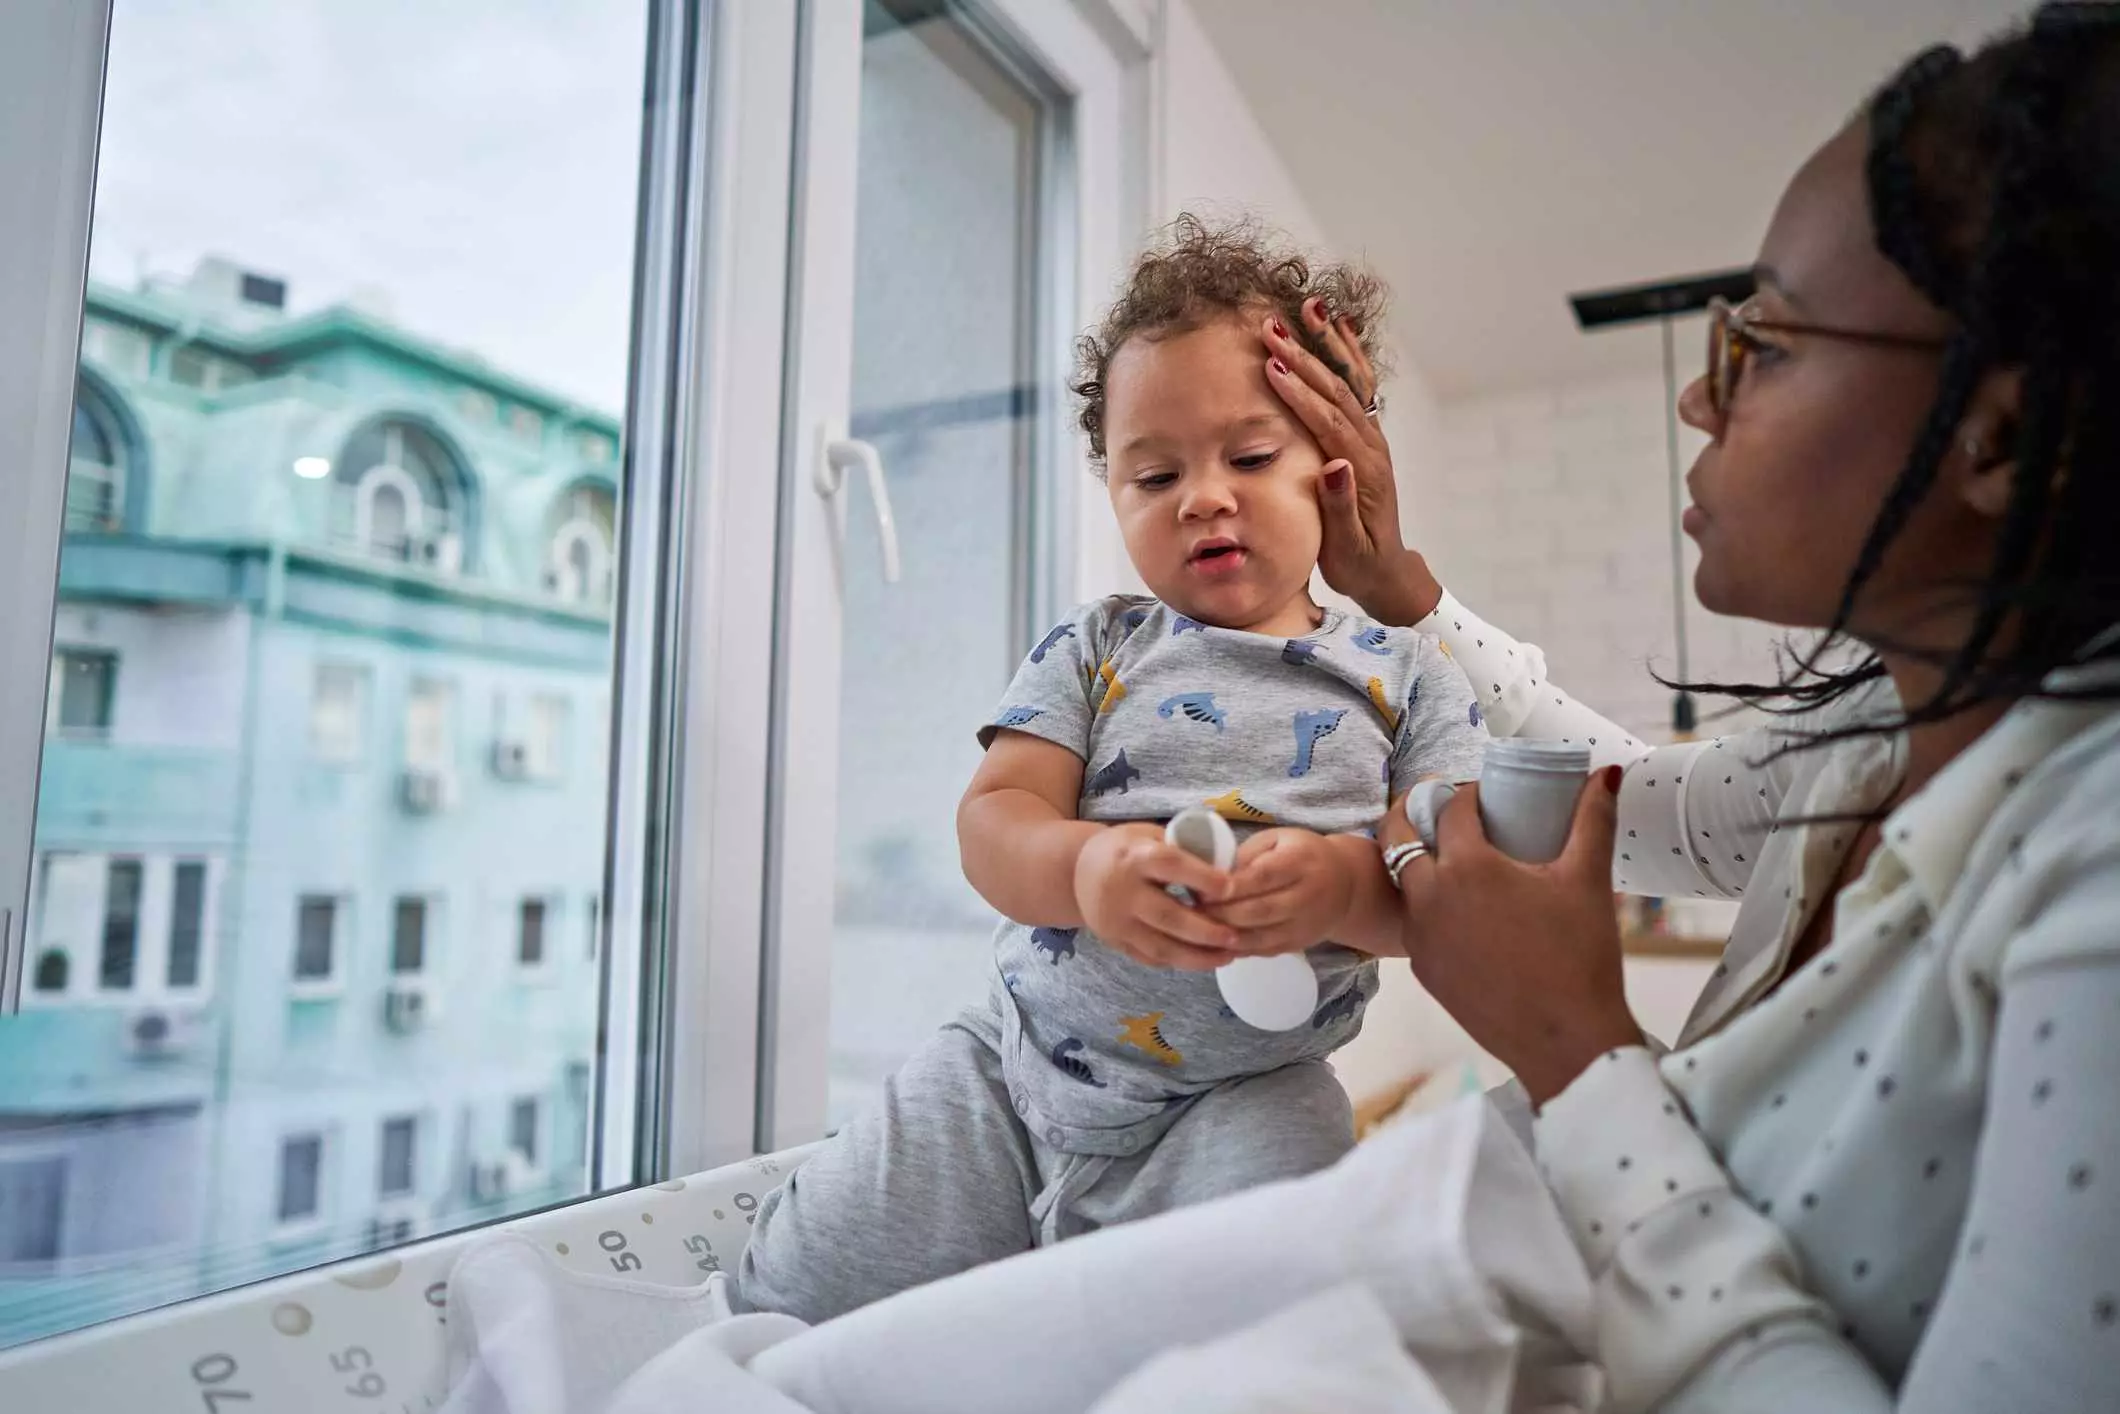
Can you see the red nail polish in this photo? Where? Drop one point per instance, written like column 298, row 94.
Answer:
column 1324, row 314
column 1280, row 367
column 1280, row 330
column 1613, row 775
column 1336, row 479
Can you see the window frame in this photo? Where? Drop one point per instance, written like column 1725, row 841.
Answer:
column 362, row 677
column 332, row 982
column 411, row 1191
column 304, row 1226
column 63, row 657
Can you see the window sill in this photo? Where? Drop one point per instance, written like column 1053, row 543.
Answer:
column 316, row 990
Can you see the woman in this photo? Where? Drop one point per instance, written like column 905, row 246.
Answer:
column 1882, row 1170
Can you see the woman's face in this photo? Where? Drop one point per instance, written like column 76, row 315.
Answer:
column 1818, row 430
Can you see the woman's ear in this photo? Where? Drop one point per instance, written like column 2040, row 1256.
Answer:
column 1983, row 463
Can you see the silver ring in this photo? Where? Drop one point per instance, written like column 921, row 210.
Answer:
column 1400, row 855
column 1376, row 407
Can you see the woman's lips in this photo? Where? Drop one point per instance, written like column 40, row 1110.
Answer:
column 1693, row 521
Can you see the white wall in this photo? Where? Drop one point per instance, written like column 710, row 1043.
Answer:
column 180, row 671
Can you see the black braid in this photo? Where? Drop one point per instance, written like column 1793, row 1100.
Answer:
column 1994, row 186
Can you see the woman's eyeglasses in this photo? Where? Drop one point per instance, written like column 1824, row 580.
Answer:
column 1733, row 336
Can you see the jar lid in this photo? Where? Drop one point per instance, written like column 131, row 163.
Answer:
column 1547, row 757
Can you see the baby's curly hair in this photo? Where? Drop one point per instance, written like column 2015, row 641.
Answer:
column 1195, row 272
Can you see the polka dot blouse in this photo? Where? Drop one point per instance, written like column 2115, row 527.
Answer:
column 1891, row 1182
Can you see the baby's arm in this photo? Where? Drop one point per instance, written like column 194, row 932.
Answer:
column 1028, row 856
column 1017, row 833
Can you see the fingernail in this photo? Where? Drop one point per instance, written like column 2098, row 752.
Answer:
column 1336, row 479
column 1280, row 367
column 1280, row 330
column 1612, row 778
column 1354, row 324
column 1317, row 307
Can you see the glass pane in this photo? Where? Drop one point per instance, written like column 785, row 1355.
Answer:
column 948, row 200
column 355, row 348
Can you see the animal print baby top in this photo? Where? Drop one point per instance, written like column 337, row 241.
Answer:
column 1319, row 732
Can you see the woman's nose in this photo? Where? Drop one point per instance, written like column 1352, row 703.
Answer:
column 1697, row 410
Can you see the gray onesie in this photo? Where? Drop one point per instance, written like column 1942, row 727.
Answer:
column 1094, row 1088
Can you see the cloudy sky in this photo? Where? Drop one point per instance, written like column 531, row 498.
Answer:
column 471, row 163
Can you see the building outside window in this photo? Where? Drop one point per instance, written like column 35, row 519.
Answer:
column 408, row 937
column 523, row 1120
column 187, row 920
column 430, row 726
column 338, row 713
column 121, row 926
column 546, row 740
column 84, row 686
column 530, row 933
column 397, row 1169
column 301, row 1186
column 95, row 478
column 316, row 939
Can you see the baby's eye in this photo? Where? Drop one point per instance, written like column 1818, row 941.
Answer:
column 1253, row 461
column 1155, row 480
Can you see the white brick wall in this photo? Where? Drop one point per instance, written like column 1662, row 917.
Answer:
column 1548, row 511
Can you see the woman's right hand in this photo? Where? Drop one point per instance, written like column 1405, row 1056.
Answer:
column 1363, row 554
column 1121, row 879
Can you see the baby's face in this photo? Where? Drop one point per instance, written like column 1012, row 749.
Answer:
column 1214, row 482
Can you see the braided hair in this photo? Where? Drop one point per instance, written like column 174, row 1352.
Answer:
column 1994, row 185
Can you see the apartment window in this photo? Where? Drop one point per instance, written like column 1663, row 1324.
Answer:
column 121, row 348
column 397, row 1171
column 95, row 476
column 546, row 740
column 526, row 423
column 121, row 925
column 478, row 406
column 84, row 684
column 408, row 937
column 430, row 736
column 338, row 713
column 579, row 557
column 316, row 939
column 530, row 933
column 523, row 1117
column 301, row 1196
column 52, row 971
column 32, row 1209
column 596, row 448
column 187, row 923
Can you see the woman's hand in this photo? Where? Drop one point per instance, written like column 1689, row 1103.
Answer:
column 1291, row 890
column 1363, row 556
column 1120, row 886
column 1526, row 957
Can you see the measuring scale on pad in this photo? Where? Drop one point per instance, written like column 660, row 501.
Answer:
column 1271, row 993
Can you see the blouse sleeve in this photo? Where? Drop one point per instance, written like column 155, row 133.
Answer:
column 1700, row 1301
column 1690, row 814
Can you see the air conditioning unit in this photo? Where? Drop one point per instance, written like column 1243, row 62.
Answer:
column 442, row 552
column 407, row 1005
column 160, row 1032
column 522, row 1175
column 487, row 1182
column 428, row 791
column 511, row 760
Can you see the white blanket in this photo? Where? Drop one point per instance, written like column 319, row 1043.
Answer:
column 1427, row 1273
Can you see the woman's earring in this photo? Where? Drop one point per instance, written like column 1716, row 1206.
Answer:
column 1974, row 452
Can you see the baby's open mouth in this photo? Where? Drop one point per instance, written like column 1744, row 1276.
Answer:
column 1207, row 552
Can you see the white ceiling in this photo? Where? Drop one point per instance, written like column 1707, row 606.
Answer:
column 1490, row 157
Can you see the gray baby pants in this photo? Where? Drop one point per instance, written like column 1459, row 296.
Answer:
column 942, row 1176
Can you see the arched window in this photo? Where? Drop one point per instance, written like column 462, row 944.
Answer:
column 580, row 560
column 400, row 497
column 95, row 482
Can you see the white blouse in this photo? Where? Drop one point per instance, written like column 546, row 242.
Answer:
column 1894, row 1183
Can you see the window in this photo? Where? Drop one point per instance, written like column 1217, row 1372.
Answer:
column 580, row 567
column 301, row 1197
column 121, row 926
column 280, row 705
column 530, row 933
column 316, row 940
column 95, row 478
column 408, row 937
column 397, row 1173
column 523, row 1117
column 593, row 911
column 546, row 743
column 32, row 1209
column 338, row 713
column 187, row 917
column 120, row 348
column 401, row 494
column 430, row 735
column 53, row 967
column 596, row 448
column 84, row 683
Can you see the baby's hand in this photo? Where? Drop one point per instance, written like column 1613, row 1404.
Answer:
column 1121, row 880
column 1293, row 891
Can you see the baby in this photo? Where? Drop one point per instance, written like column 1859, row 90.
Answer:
column 1105, row 1079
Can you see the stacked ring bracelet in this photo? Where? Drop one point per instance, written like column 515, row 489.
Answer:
column 1400, row 855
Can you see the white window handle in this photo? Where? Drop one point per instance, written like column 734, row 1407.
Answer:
column 838, row 454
